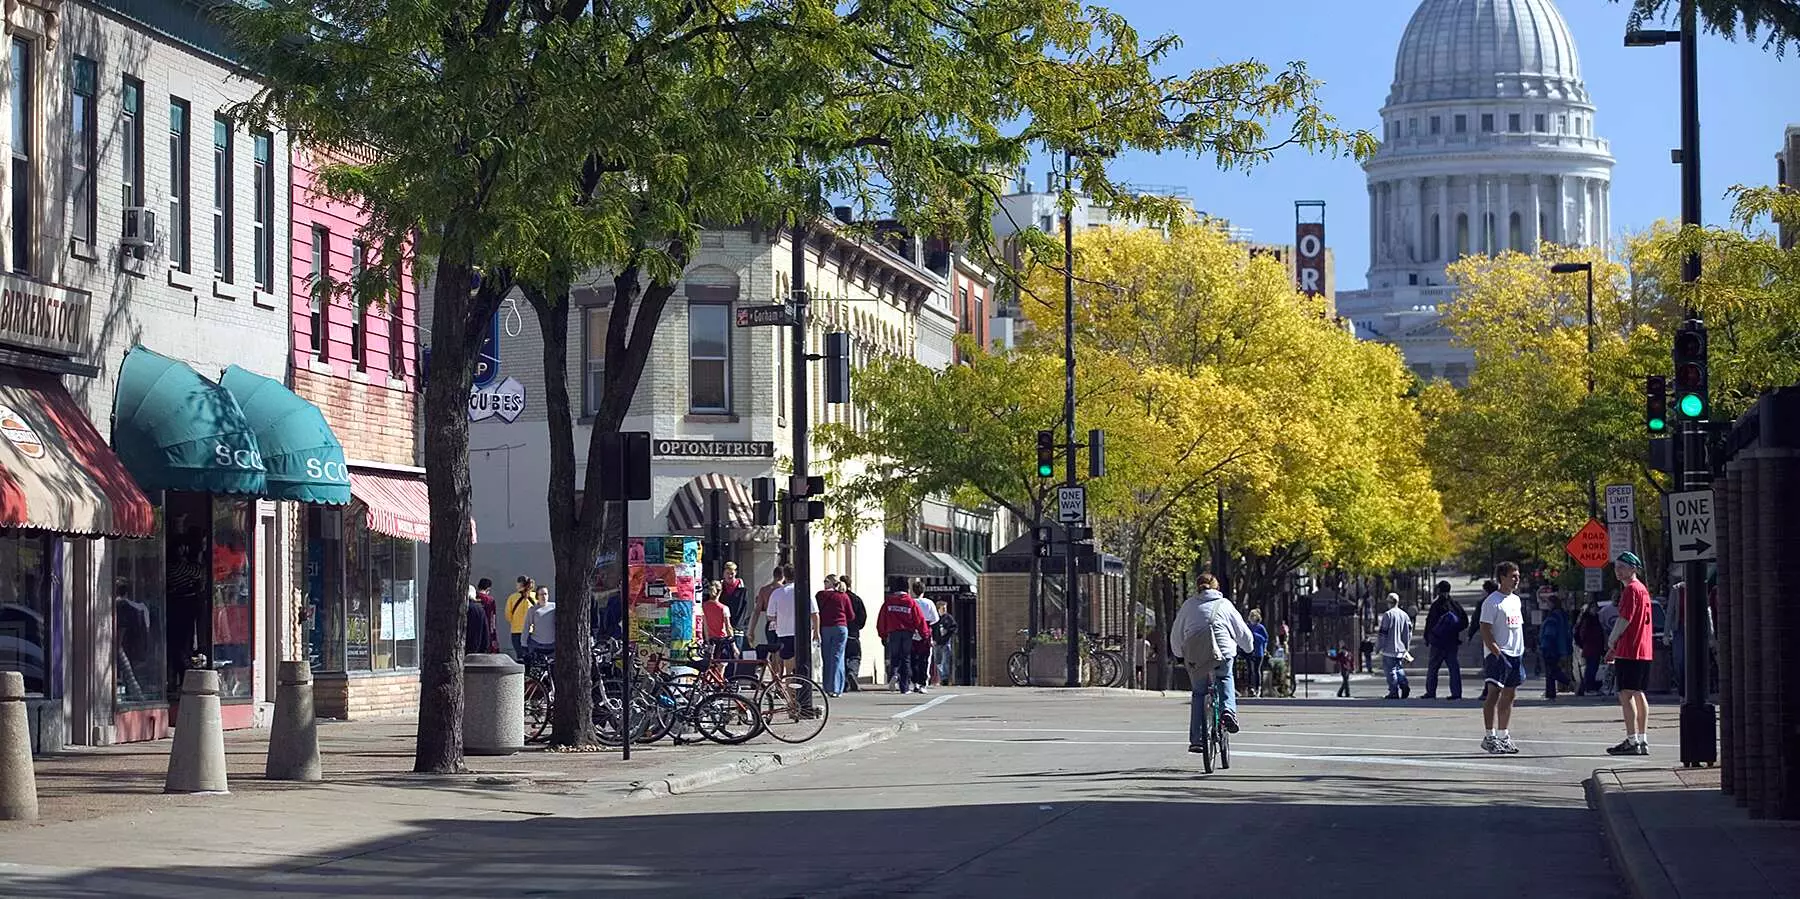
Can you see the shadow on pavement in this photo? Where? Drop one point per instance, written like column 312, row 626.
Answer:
column 1078, row 849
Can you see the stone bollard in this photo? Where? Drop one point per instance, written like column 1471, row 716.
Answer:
column 493, row 705
column 294, row 738
column 197, row 760
column 18, row 780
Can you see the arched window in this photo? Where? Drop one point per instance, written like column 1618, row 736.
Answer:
column 1462, row 234
column 1544, row 226
column 1515, row 234
column 1490, row 236
column 1436, row 241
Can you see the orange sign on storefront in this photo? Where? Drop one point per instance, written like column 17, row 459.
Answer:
column 1589, row 546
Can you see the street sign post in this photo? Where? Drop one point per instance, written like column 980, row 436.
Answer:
column 1071, row 505
column 756, row 316
column 1620, row 537
column 1694, row 538
column 1621, row 503
column 1593, row 580
column 1589, row 545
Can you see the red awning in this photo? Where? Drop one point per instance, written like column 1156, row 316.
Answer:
column 56, row 474
column 398, row 505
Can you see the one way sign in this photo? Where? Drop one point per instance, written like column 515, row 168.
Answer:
column 1692, row 515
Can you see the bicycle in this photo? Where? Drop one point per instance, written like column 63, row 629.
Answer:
column 718, row 713
column 794, row 708
column 1217, row 738
column 1018, row 665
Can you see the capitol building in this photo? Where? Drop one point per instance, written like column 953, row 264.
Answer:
column 1488, row 144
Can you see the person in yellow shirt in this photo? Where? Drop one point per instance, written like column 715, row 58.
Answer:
column 516, row 606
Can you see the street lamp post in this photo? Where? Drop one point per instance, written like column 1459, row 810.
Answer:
column 1699, row 737
column 1569, row 268
column 1071, row 578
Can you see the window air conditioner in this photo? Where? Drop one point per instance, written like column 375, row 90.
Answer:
column 140, row 227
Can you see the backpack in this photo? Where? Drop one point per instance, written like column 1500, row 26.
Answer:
column 1448, row 627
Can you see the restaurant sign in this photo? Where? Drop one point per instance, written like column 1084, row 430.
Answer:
column 43, row 317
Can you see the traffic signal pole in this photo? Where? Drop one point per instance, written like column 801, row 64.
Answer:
column 1071, row 582
column 802, row 540
column 1699, row 719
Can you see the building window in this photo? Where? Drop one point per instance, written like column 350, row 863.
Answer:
column 1487, row 122
column 1437, row 124
column 593, row 359
column 1046, row 224
column 1490, row 235
column 1516, row 233
column 397, row 323
column 131, row 140
column 1462, row 123
column 709, row 357
column 1437, row 238
column 367, row 618
column 359, row 311
column 1562, row 124
column 318, row 293
column 26, row 619
column 222, row 217
column 1462, row 234
column 1538, row 123
column 178, row 185
column 263, row 227
column 964, row 324
column 83, row 148
column 1514, row 123
column 1412, row 127
column 140, row 608
column 23, row 182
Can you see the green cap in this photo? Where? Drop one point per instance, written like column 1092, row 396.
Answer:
column 1630, row 558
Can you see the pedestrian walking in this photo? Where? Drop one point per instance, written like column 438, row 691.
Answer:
column 1396, row 632
column 1556, row 643
column 1590, row 638
column 761, row 625
column 1259, row 653
column 853, row 652
column 1345, row 665
column 540, row 623
column 835, row 615
column 921, row 653
column 943, row 653
column 788, row 641
column 1503, row 668
column 1207, row 634
column 484, row 594
column 1368, row 655
column 715, row 626
column 1280, row 672
column 1629, row 649
column 478, row 627
column 1444, row 624
column 899, row 624
column 517, row 605
column 735, row 594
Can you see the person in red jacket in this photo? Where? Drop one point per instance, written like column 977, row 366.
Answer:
column 899, row 624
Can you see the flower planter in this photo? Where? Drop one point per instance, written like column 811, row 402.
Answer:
column 1050, row 665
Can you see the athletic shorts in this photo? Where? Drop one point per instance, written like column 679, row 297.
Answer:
column 1632, row 674
column 787, row 647
column 1503, row 670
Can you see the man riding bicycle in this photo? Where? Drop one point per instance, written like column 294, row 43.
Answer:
column 1207, row 634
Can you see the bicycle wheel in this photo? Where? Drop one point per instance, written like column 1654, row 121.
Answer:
column 1224, row 747
column 1018, row 668
column 1211, row 717
column 537, row 708
column 1106, row 669
column 661, row 704
column 794, row 709
column 727, row 718
column 1120, row 669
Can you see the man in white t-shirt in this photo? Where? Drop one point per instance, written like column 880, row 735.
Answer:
column 781, row 618
column 1503, row 635
column 921, row 658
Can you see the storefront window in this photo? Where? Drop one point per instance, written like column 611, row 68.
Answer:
column 233, row 597
column 140, row 618
column 325, row 588
column 25, row 618
column 358, row 618
column 362, row 595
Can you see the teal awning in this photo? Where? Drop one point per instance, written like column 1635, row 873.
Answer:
column 176, row 430
column 304, row 459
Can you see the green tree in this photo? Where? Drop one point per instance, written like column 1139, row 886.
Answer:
column 1776, row 23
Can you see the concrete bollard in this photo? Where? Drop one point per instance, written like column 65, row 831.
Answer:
column 197, row 760
column 294, row 737
column 493, row 705
column 18, row 780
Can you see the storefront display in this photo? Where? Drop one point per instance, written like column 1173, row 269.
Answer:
column 362, row 594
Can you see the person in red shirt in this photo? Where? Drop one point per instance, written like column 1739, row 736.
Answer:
column 835, row 614
column 1629, row 648
column 899, row 624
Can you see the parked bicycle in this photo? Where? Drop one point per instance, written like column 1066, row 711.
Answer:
column 793, row 708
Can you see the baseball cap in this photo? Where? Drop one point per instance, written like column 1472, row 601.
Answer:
column 1630, row 558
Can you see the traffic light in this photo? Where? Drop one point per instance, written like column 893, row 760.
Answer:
column 1690, row 371
column 1656, row 404
column 1096, row 453
column 837, row 367
column 1043, row 540
column 1046, row 454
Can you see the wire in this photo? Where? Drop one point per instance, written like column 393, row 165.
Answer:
column 514, row 322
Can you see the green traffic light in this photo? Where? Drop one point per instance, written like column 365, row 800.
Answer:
column 1657, row 424
column 1045, row 471
column 1692, row 405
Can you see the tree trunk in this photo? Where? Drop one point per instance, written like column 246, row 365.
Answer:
column 455, row 341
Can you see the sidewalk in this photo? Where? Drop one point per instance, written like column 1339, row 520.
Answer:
column 1673, row 835
column 104, row 808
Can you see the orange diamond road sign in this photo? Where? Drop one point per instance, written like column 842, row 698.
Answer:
column 1589, row 545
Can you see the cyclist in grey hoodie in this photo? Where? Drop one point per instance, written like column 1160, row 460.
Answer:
column 1207, row 634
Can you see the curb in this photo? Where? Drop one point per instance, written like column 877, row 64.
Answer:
column 1632, row 858
column 677, row 784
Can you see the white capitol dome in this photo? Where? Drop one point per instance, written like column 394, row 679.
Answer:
column 1488, row 144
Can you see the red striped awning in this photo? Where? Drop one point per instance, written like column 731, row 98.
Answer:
column 56, row 473
column 398, row 505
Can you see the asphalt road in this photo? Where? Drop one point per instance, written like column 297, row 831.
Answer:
column 1037, row 793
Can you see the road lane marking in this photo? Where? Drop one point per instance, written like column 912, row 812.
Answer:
column 1272, row 732
column 1291, row 756
column 926, row 705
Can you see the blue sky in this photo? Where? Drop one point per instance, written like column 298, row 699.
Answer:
column 1349, row 45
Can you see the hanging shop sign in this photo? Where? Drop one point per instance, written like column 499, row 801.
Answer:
column 505, row 401
column 43, row 317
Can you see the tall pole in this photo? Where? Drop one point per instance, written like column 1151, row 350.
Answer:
column 1699, row 729
column 1071, row 584
column 802, row 562
column 1592, row 485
